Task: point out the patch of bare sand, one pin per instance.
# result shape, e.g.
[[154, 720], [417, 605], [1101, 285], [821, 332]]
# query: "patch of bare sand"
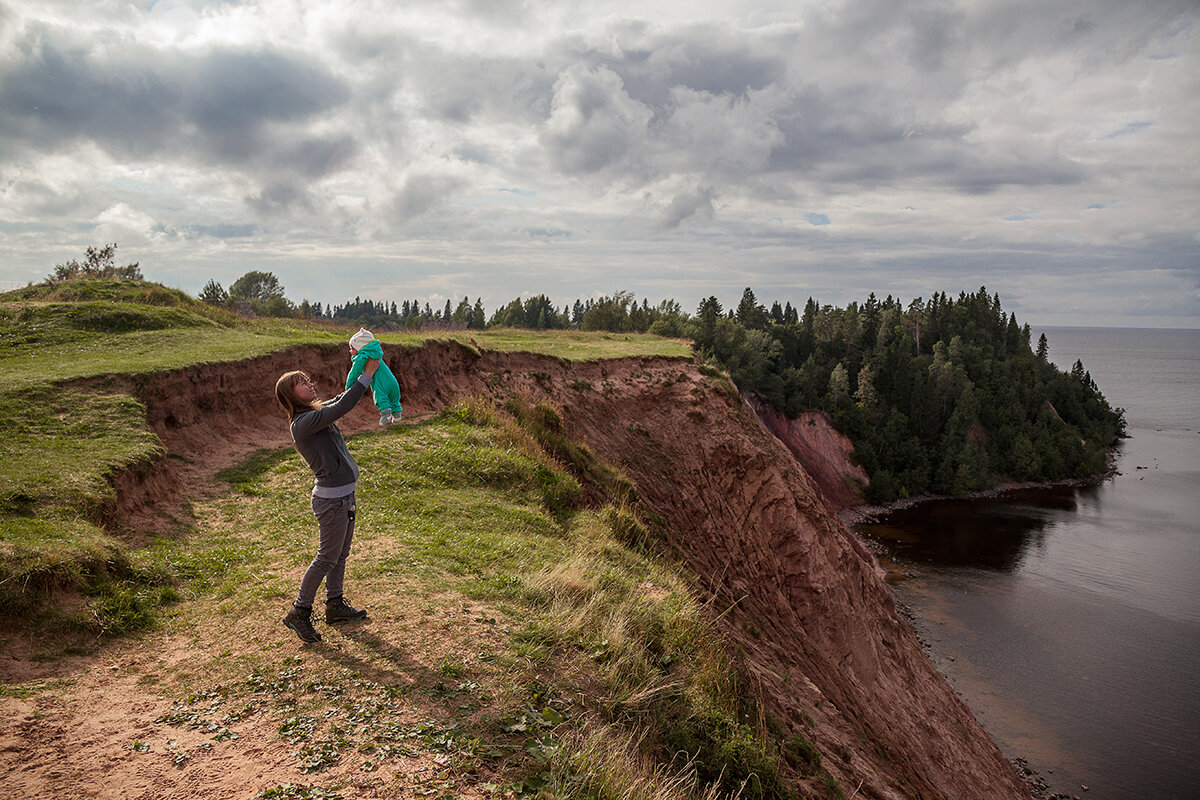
[[164, 715]]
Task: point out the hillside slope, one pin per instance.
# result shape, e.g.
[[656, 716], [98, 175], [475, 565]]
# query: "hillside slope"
[[801, 598]]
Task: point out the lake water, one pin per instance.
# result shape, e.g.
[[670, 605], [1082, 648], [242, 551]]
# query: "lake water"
[[1068, 619]]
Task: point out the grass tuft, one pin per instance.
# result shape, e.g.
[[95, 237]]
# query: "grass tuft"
[[545, 424], [609, 763]]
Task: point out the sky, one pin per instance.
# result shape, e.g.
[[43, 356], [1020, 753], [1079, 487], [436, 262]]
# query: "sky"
[[497, 149]]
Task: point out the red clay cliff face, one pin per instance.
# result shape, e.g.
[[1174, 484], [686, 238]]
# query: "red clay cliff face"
[[824, 453], [803, 600]]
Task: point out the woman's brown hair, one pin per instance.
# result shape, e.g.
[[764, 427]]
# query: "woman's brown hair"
[[285, 393]]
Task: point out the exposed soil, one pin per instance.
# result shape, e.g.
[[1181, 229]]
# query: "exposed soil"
[[824, 453], [802, 600]]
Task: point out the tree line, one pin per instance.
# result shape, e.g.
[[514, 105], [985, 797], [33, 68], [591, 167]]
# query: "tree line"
[[945, 395], [262, 293]]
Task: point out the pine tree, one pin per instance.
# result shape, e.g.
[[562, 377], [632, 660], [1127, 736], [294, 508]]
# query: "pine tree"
[[213, 294]]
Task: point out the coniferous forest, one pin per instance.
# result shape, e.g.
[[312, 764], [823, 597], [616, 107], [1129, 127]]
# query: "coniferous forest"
[[947, 395]]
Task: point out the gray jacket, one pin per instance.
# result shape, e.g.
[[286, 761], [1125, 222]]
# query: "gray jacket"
[[320, 442]]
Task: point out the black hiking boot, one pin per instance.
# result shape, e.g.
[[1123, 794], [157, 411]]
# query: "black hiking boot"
[[299, 619], [337, 610]]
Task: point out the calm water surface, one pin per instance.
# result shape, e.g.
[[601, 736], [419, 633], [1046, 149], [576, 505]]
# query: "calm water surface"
[[1069, 619]]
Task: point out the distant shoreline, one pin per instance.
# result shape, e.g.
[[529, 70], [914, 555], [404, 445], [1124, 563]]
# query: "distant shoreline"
[[868, 514]]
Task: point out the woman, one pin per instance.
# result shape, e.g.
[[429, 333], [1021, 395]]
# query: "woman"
[[320, 442]]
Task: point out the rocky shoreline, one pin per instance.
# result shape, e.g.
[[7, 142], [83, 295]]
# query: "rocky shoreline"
[[1037, 784], [869, 514]]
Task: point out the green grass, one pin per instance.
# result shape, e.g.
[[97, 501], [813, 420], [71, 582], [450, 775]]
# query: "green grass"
[[125, 590], [76, 290], [41, 342], [60, 446]]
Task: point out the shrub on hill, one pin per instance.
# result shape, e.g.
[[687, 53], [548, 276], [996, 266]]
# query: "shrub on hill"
[[99, 262]]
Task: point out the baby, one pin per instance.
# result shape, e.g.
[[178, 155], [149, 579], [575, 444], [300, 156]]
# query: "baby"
[[385, 390]]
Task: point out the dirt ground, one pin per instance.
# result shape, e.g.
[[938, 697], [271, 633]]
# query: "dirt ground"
[[195, 708]]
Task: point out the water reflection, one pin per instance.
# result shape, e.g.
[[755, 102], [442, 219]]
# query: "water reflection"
[[994, 533]]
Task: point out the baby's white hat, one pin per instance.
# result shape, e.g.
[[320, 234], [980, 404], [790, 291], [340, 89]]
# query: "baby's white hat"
[[360, 339]]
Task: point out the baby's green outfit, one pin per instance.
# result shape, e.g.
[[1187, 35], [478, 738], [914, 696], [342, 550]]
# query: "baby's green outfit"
[[385, 389]]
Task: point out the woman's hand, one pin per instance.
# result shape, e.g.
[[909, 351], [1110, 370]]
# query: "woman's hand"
[[372, 365]]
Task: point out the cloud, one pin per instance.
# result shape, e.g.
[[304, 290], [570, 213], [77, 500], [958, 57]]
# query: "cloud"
[[120, 221], [1130, 128], [707, 58], [223, 230], [697, 204], [281, 197], [594, 123], [226, 105], [316, 157], [423, 192], [728, 135], [547, 234]]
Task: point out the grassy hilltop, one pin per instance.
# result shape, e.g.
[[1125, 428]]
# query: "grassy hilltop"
[[521, 644]]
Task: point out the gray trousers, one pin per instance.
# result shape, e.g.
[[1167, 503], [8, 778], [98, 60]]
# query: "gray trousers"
[[335, 523]]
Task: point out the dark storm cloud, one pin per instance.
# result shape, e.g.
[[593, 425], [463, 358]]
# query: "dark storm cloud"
[[225, 105], [314, 157], [986, 178], [232, 95]]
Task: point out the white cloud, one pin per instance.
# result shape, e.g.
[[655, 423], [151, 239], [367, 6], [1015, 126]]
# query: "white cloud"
[[119, 222], [655, 146], [594, 124]]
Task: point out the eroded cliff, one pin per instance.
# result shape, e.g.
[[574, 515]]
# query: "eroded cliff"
[[795, 592]]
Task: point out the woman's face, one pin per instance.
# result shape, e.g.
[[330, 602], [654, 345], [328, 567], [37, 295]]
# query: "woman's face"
[[304, 390]]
